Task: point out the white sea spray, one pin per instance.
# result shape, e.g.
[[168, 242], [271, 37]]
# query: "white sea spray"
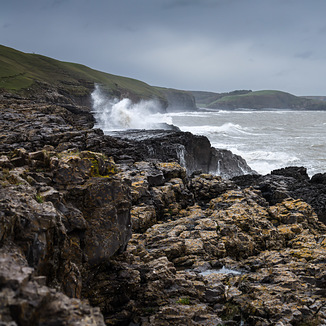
[[114, 114]]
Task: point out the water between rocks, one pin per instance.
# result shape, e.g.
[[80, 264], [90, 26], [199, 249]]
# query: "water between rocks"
[[223, 270]]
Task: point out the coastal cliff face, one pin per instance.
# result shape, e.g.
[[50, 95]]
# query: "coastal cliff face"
[[178, 100], [121, 222]]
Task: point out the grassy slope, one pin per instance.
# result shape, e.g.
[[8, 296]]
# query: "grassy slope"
[[204, 99], [20, 71], [31, 73], [258, 100]]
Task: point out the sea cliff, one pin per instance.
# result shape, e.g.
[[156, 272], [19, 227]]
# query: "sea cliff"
[[132, 229]]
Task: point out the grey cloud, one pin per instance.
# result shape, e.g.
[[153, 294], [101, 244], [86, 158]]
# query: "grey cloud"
[[322, 30], [304, 55], [193, 44], [58, 2], [190, 3]]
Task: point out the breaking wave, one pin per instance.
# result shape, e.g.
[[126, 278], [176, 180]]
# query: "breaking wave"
[[113, 114], [265, 161], [225, 129]]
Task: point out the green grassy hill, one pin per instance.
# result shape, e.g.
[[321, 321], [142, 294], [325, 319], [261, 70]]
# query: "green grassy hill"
[[204, 99], [256, 100], [25, 73], [36, 75]]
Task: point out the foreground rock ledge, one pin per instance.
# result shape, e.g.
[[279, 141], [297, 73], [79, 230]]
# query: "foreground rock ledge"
[[66, 223], [143, 240]]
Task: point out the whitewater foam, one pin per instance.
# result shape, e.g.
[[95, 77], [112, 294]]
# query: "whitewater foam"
[[262, 161], [266, 139], [113, 114], [227, 128]]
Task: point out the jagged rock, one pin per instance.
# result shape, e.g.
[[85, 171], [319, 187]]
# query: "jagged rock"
[[268, 244], [173, 264], [107, 212], [143, 217], [192, 152], [103, 198], [5, 162], [290, 182], [59, 227], [36, 125], [24, 300], [206, 186], [35, 227], [319, 178], [228, 165]]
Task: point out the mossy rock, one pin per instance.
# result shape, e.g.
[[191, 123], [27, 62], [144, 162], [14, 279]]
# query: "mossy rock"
[[76, 167]]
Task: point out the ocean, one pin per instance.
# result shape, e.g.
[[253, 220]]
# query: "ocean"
[[266, 139]]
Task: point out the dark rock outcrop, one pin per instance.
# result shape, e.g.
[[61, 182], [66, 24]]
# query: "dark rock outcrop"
[[193, 152], [54, 199], [65, 224], [26, 300], [177, 259], [290, 182]]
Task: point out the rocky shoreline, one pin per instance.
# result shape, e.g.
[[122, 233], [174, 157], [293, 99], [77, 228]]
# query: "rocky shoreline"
[[133, 229]]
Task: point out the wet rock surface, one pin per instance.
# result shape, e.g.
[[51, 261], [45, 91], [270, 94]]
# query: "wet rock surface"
[[92, 233], [191, 151]]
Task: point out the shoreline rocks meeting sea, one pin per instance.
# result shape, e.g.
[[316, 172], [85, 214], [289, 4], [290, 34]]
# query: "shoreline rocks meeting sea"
[[137, 228]]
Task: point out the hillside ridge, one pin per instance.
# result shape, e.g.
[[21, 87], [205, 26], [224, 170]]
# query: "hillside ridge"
[[30, 74], [25, 74], [248, 99]]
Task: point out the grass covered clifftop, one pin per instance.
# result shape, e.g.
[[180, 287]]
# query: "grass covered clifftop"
[[248, 99], [25, 74]]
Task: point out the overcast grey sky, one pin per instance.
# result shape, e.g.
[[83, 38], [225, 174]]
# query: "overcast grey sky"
[[213, 45]]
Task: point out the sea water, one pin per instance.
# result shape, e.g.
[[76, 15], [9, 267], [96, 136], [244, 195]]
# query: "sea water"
[[267, 139], [223, 270]]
